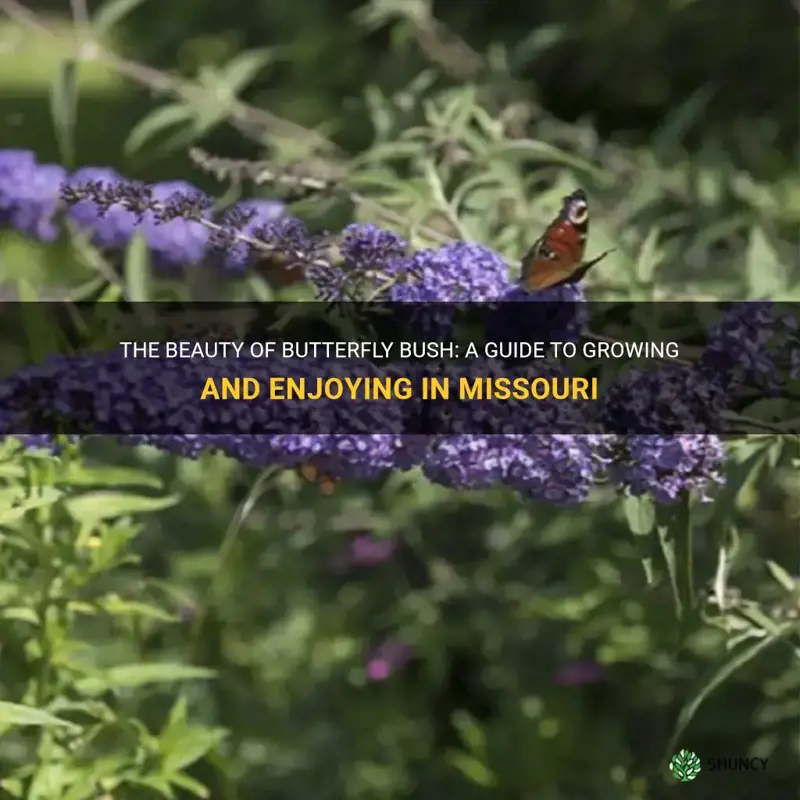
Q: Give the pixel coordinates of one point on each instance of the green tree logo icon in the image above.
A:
(685, 765)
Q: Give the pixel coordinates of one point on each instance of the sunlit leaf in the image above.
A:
(14, 505)
(16, 715)
(129, 676)
(766, 276)
(782, 576)
(95, 506)
(79, 473)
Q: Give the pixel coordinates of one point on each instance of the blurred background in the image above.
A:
(658, 81)
(492, 647)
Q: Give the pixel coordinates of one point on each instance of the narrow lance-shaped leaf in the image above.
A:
(674, 526)
(64, 109)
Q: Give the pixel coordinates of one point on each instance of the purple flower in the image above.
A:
(369, 258)
(179, 242)
(112, 229)
(364, 550)
(559, 315)
(457, 272)
(748, 344)
(577, 673)
(368, 550)
(555, 468)
(386, 659)
(33, 208)
(239, 255)
(665, 466)
(672, 398)
(16, 169)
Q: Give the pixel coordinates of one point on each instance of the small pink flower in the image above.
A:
(576, 673)
(386, 659)
(369, 550)
(364, 550)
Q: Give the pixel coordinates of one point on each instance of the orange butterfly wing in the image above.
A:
(554, 258)
(557, 257)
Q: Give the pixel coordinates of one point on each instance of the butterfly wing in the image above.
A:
(554, 257)
(557, 257)
(581, 271)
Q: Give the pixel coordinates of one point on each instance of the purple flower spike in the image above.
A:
(457, 272)
(238, 255)
(113, 229)
(178, 242)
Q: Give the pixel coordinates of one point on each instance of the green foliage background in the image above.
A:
(173, 628)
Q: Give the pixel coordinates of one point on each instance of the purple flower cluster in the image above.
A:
(754, 343)
(666, 466)
(531, 448)
(157, 402)
(31, 202)
(673, 398)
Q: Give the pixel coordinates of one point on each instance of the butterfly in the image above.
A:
(312, 473)
(556, 258)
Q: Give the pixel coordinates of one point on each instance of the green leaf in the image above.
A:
(167, 116)
(472, 769)
(93, 507)
(131, 676)
(680, 121)
(650, 256)
(15, 715)
(738, 475)
(530, 47)
(193, 743)
(138, 273)
(243, 68)
(189, 785)
(181, 744)
(712, 682)
(782, 576)
(674, 525)
(471, 733)
(259, 289)
(20, 614)
(79, 474)
(63, 109)
(111, 13)
(158, 783)
(118, 607)
(13, 507)
(765, 274)
(536, 150)
(640, 513)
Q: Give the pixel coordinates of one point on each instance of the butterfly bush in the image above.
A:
(662, 421)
